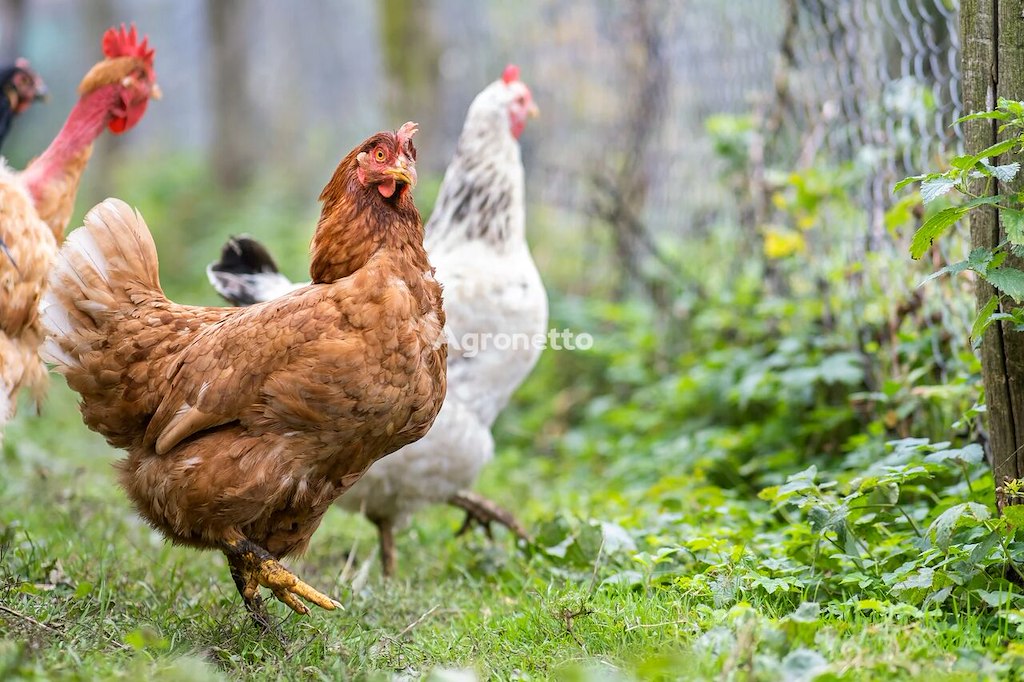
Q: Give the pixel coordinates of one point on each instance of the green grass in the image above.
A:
(640, 468)
(112, 600)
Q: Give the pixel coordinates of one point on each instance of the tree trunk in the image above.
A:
(233, 141)
(993, 66)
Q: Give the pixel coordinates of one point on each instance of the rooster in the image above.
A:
(243, 425)
(21, 87)
(36, 204)
(476, 238)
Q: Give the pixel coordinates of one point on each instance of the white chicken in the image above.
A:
(496, 309)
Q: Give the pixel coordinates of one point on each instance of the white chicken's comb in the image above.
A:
(406, 132)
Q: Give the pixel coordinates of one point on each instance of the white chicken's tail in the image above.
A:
(102, 268)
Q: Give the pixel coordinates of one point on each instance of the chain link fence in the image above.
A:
(626, 89)
(869, 83)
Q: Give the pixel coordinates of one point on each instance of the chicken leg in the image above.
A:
(388, 555)
(253, 566)
(481, 511)
(253, 603)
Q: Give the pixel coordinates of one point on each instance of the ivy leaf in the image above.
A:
(772, 585)
(998, 148)
(822, 519)
(979, 260)
(1013, 223)
(1010, 106)
(983, 320)
(1008, 280)
(997, 598)
(982, 201)
(1003, 173)
(946, 523)
(933, 189)
(970, 454)
(984, 115)
(912, 179)
(963, 162)
(939, 597)
(1015, 515)
(982, 549)
(933, 228)
(922, 579)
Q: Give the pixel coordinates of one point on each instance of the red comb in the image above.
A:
(125, 43)
(511, 73)
(406, 132)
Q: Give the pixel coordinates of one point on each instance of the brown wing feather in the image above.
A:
(221, 372)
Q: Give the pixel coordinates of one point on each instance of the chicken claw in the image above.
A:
(288, 588)
(259, 568)
(481, 511)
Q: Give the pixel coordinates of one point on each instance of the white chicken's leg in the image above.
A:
(388, 554)
(483, 512)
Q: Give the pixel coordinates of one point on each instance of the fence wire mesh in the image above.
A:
(873, 83)
(626, 89)
(877, 82)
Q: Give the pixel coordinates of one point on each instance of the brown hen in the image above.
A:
(243, 425)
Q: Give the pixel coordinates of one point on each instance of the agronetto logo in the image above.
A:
(470, 345)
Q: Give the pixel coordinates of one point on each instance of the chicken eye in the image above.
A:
(380, 154)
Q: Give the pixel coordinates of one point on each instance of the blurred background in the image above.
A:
(708, 188)
(647, 106)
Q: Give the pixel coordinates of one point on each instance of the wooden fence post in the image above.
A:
(992, 40)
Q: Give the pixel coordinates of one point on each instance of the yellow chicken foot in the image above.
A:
(257, 567)
(481, 511)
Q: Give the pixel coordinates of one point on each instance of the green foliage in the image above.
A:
(772, 478)
(962, 178)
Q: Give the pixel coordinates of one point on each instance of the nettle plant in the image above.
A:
(963, 172)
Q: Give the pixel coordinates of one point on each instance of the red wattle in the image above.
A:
(135, 114)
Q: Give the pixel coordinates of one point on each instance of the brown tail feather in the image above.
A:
(98, 268)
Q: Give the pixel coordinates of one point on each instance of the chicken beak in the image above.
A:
(155, 92)
(42, 94)
(403, 173)
(533, 111)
